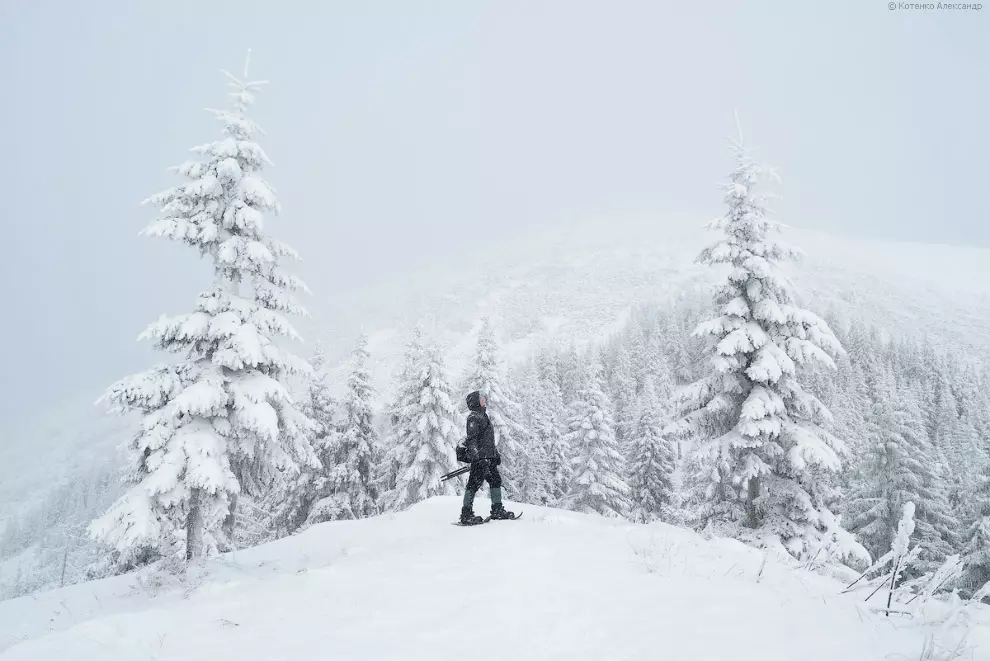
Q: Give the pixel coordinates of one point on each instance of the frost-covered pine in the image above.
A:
(547, 415)
(663, 384)
(398, 426)
(656, 363)
(358, 439)
(942, 407)
(220, 420)
(503, 411)
(964, 459)
(345, 489)
(599, 468)
(635, 348)
(976, 550)
(757, 430)
(533, 481)
(652, 462)
(903, 468)
(426, 434)
(323, 409)
(624, 397)
(292, 504)
(571, 376)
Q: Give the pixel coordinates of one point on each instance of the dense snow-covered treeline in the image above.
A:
(45, 545)
(746, 414)
(946, 393)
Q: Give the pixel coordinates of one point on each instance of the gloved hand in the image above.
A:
(498, 459)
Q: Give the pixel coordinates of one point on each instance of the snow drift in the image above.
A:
(553, 585)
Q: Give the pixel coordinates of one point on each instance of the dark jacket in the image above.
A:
(480, 440)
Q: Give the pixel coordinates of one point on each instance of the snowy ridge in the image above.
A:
(553, 585)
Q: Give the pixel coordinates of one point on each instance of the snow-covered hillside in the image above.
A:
(576, 283)
(569, 284)
(553, 585)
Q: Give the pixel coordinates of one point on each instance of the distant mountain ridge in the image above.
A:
(577, 284)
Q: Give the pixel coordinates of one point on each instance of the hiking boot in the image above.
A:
(499, 512)
(469, 518)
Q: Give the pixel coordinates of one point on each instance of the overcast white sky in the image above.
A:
(403, 130)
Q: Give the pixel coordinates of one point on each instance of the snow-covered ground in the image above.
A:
(553, 585)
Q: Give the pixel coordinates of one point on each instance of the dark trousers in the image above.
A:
(483, 470)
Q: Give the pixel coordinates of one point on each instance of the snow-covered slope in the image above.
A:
(572, 283)
(552, 585)
(40, 456)
(578, 282)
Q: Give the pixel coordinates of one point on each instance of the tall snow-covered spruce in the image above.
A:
(351, 476)
(533, 481)
(398, 426)
(599, 468)
(976, 549)
(623, 392)
(294, 503)
(902, 467)
(545, 413)
(425, 430)
(653, 460)
(345, 440)
(758, 433)
(220, 420)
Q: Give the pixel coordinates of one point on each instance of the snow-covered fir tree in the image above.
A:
(599, 468)
(964, 459)
(903, 469)
(533, 480)
(976, 549)
(634, 347)
(398, 426)
(488, 376)
(359, 437)
(292, 504)
(758, 432)
(655, 363)
(652, 461)
(571, 374)
(546, 415)
(220, 420)
(345, 489)
(426, 433)
(624, 396)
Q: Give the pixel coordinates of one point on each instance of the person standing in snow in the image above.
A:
(484, 458)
